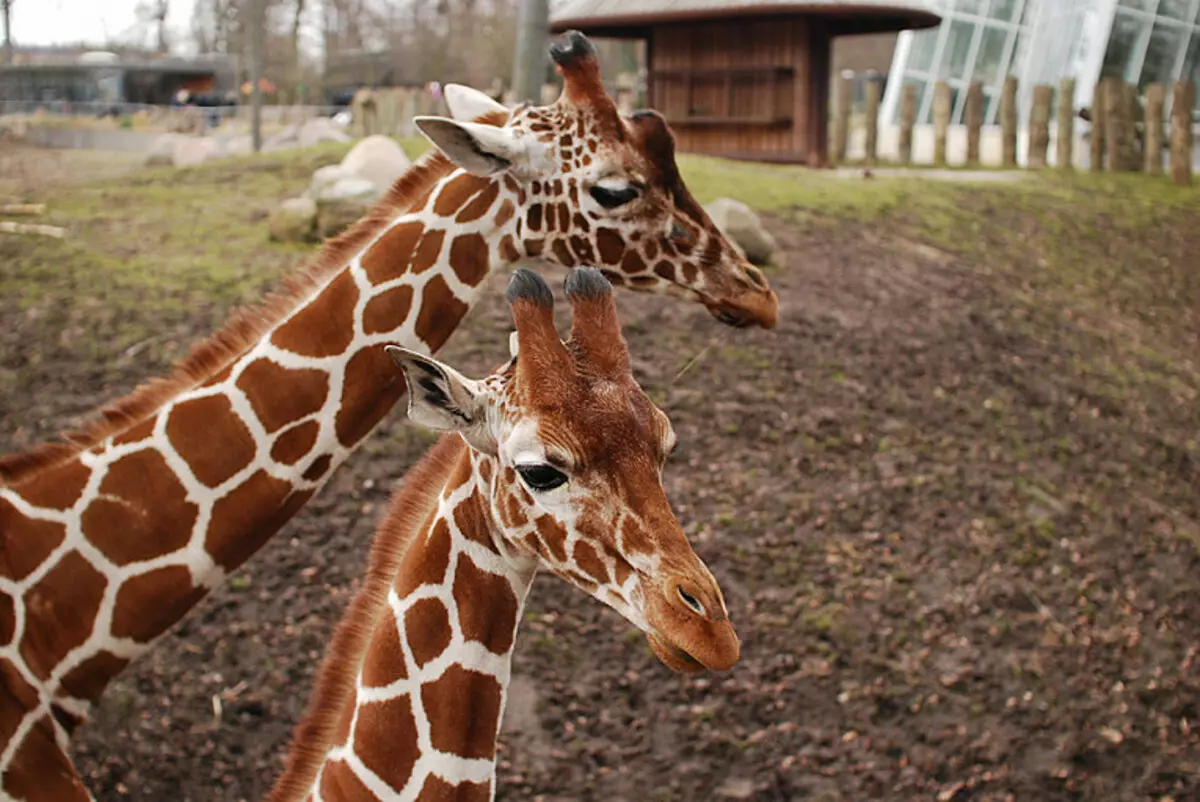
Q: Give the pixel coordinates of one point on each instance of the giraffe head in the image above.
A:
(596, 187)
(572, 451)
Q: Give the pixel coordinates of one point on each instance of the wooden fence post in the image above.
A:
(908, 118)
(1064, 146)
(1008, 123)
(1118, 127)
(1152, 145)
(1099, 124)
(1183, 101)
(1135, 141)
(1039, 125)
(873, 91)
(841, 120)
(974, 121)
(941, 121)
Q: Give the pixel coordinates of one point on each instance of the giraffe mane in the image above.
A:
(242, 329)
(409, 511)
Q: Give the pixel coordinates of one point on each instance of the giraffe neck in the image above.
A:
(102, 551)
(423, 690)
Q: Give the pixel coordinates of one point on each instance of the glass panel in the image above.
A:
(958, 46)
(991, 50)
(1161, 53)
(991, 107)
(920, 53)
(954, 93)
(1140, 5)
(1121, 44)
(1191, 64)
(1003, 9)
(918, 85)
(1175, 9)
(976, 7)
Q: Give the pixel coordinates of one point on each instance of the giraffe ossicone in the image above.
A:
(552, 462)
(111, 537)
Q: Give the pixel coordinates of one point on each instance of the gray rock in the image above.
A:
(162, 152)
(287, 138)
(324, 178)
(342, 204)
(350, 189)
(744, 229)
(294, 221)
(320, 129)
(378, 159)
(193, 150)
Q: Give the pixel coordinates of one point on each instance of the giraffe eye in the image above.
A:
(691, 601)
(611, 198)
(679, 233)
(541, 477)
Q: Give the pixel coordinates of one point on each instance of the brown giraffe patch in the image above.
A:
(455, 193)
(504, 213)
(388, 257)
(563, 253)
(583, 249)
(689, 272)
(634, 539)
(472, 522)
(588, 560)
(385, 739)
(8, 619)
(426, 565)
(212, 440)
(436, 789)
(89, 679)
(487, 606)
(59, 488)
(564, 217)
(338, 781)
(643, 281)
(508, 249)
(147, 604)
(385, 658)
(372, 386)
(464, 712)
(479, 205)
(40, 770)
(142, 511)
(25, 542)
(469, 258)
(632, 262)
(514, 512)
(534, 217)
(219, 376)
(59, 612)
(16, 698)
(534, 247)
(280, 395)
(623, 570)
(138, 433)
(428, 251)
(651, 249)
(441, 310)
(427, 628)
(318, 468)
(323, 327)
(295, 442)
(244, 519)
(388, 310)
(554, 536)
(581, 223)
(665, 270)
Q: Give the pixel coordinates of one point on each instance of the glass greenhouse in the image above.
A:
(1041, 42)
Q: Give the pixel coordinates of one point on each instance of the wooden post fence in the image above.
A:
(1152, 145)
(1008, 123)
(1099, 124)
(941, 121)
(841, 120)
(873, 91)
(1039, 126)
(1183, 101)
(974, 120)
(1064, 145)
(908, 118)
(1118, 134)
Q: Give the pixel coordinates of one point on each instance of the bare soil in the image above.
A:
(951, 500)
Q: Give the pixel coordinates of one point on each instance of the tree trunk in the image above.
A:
(8, 47)
(1008, 123)
(1099, 124)
(257, 54)
(1153, 141)
(297, 74)
(529, 68)
(1039, 126)
(841, 119)
(874, 89)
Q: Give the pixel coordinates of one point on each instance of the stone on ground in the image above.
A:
(745, 230)
(378, 159)
(325, 177)
(342, 204)
(320, 129)
(294, 221)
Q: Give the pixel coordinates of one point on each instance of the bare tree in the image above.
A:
(8, 45)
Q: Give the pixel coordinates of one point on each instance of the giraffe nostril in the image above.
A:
(756, 277)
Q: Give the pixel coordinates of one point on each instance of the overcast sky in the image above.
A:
(48, 22)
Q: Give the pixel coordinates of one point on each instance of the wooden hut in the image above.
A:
(742, 79)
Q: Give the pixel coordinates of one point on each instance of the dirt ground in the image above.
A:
(952, 501)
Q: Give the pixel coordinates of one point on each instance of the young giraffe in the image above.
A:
(558, 466)
(108, 540)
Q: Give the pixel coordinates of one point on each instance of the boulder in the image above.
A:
(324, 178)
(320, 129)
(745, 230)
(294, 221)
(287, 138)
(162, 152)
(342, 204)
(193, 150)
(238, 145)
(378, 159)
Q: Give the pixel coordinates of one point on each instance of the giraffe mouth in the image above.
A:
(672, 656)
(759, 309)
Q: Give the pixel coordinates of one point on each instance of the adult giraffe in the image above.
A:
(558, 467)
(109, 539)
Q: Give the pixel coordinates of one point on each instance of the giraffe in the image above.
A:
(553, 461)
(109, 538)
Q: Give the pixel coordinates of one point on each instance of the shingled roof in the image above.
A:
(634, 18)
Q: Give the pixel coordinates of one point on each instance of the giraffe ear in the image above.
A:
(442, 399)
(468, 105)
(484, 150)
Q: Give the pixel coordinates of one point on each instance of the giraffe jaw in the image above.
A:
(672, 656)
